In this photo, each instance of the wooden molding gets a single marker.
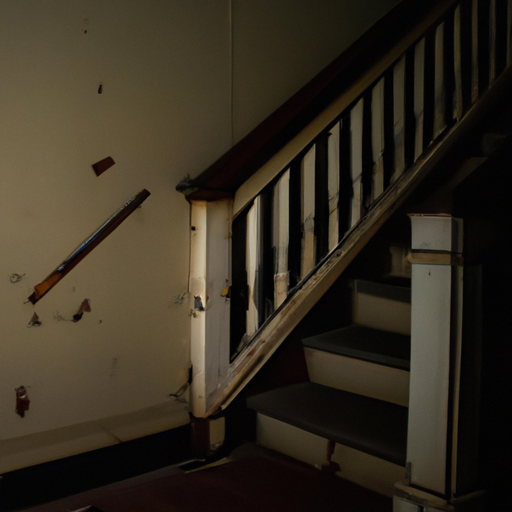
(436, 258)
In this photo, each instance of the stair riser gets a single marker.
(357, 376)
(382, 313)
(358, 467)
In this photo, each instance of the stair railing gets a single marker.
(333, 181)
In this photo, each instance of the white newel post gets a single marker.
(209, 276)
(436, 326)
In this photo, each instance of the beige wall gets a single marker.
(280, 45)
(168, 69)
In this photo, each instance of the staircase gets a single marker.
(357, 395)
(395, 126)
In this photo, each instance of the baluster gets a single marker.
(356, 161)
(409, 115)
(281, 221)
(389, 130)
(308, 212)
(448, 50)
(498, 38)
(239, 288)
(463, 56)
(399, 117)
(481, 26)
(321, 197)
(439, 83)
(474, 51)
(509, 33)
(295, 226)
(493, 43)
(378, 139)
(458, 106)
(253, 262)
(333, 161)
(419, 96)
(429, 89)
(367, 153)
(266, 266)
(345, 199)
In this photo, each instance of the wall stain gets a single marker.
(113, 367)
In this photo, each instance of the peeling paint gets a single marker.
(85, 307)
(16, 278)
(198, 303)
(179, 299)
(22, 401)
(34, 321)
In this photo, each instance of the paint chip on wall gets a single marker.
(101, 166)
(22, 401)
(34, 321)
(84, 307)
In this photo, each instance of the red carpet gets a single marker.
(252, 483)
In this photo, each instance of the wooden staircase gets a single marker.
(357, 395)
(278, 220)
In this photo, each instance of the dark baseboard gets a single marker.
(57, 479)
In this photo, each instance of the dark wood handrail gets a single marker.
(224, 176)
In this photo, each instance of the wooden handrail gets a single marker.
(408, 20)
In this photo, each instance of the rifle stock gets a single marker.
(88, 245)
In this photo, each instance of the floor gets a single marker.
(250, 480)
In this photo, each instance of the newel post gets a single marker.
(210, 258)
(444, 374)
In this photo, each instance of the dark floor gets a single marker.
(254, 480)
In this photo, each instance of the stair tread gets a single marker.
(374, 345)
(366, 424)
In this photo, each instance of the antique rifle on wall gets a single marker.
(88, 245)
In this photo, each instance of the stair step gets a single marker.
(358, 376)
(360, 342)
(385, 291)
(372, 426)
(382, 306)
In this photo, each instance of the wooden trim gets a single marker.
(435, 258)
(354, 71)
